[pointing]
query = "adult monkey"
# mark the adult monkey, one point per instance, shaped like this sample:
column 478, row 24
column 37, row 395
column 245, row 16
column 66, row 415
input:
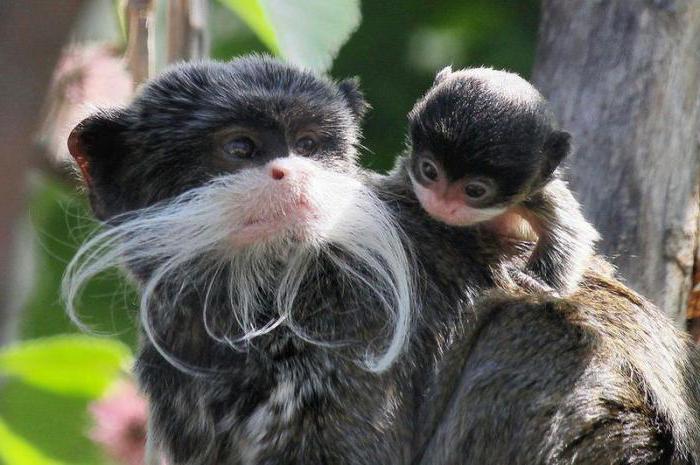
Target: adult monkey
column 222, row 186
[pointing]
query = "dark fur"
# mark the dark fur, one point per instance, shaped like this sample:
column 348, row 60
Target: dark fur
column 526, row 380
column 472, row 132
column 513, row 380
column 167, row 141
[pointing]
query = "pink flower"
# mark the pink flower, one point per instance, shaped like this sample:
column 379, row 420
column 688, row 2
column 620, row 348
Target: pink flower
column 120, row 424
column 87, row 77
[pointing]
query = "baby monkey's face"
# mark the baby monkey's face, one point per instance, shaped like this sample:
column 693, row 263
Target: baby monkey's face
column 478, row 145
column 461, row 196
column 459, row 201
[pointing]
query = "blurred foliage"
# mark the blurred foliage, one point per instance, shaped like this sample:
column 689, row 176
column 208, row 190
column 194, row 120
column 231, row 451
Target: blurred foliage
column 74, row 365
column 288, row 30
column 53, row 422
column 17, row 451
column 396, row 51
column 67, row 364
column 253, row 14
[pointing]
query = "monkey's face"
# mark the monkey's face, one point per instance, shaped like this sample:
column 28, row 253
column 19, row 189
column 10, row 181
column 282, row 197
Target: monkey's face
column 228, row 189
column 278, row 137
column 460, row 187
column 479, row 143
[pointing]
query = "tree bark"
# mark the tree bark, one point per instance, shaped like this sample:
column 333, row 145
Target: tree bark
column 624, row 77
column 139, row 14
column 31, row 35
column 188, row 37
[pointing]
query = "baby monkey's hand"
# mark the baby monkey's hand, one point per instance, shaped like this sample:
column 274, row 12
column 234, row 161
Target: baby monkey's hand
column 529, row 283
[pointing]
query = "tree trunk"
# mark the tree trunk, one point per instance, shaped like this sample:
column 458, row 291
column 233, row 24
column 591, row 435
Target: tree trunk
column 31, row 35
column 188, row 37
column 139, row 14
column 624, row 78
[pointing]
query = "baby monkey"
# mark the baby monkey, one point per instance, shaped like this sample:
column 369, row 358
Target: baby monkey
column 484, row 149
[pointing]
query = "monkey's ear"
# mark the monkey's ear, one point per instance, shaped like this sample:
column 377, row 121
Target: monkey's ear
column 442, row 75
column 556, row 148
column 356, row 99
column 97, row 146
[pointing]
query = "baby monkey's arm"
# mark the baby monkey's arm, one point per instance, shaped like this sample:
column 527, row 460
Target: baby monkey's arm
column 565, row 239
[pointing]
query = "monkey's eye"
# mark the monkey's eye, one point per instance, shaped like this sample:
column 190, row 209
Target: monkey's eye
column 241, row 147
column 304, row 145
column 429, row 170
column 477, row 190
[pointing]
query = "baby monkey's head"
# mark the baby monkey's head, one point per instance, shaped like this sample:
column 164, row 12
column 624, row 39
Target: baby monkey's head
column 480, row 142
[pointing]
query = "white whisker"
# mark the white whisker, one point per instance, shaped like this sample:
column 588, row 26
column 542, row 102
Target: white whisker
column 186, row 248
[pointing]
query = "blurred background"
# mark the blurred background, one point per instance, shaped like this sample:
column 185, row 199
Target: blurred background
column 62, row 59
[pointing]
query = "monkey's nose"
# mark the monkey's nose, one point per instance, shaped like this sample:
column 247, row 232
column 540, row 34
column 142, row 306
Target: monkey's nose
column 288, row 169
column 277, row 173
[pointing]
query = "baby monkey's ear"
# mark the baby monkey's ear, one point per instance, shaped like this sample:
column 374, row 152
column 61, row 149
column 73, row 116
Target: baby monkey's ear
column 556, row 148
column 442, row 75
column 97, row 146
column 356, row 99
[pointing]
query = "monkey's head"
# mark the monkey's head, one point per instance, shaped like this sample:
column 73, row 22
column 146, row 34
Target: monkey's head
column 226, row 182
column 481, row 141
column 255, row 116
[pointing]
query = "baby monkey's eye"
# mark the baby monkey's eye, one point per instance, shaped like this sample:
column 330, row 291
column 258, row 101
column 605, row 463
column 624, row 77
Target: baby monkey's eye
column 304, row 145
column 242, row 147
column 476, row 190
column 429, row 170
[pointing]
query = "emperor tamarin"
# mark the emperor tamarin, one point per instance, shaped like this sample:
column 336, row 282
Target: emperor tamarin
column 298, row 310
column 484, row 149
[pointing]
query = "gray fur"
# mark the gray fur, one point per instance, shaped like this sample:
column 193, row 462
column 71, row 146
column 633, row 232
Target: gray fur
column 566, row 239
column 600, row 377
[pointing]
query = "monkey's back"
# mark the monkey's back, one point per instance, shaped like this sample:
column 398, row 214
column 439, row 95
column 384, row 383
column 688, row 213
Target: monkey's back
column 600, row 378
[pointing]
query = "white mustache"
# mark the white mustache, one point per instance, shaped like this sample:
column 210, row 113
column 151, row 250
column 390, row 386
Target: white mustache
column 187, row 242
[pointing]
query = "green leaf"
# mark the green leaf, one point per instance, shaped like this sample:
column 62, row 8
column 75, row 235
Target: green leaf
column 306, row 32
column 77, row 365
column 251, row 11
column 16, row 451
